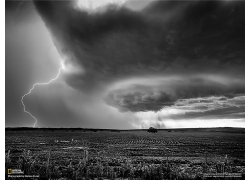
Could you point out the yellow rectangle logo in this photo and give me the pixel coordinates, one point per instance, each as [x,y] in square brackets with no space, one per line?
[9,171]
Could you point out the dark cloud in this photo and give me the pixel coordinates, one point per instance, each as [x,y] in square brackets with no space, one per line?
[175,91]
[19,11]
[165,38]
[119,43]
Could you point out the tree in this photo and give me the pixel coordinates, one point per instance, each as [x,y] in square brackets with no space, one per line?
[152,130]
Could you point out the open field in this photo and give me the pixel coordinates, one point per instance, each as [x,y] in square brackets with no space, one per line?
[168,154]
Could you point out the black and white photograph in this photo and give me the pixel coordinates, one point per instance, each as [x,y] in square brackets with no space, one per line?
[125,89]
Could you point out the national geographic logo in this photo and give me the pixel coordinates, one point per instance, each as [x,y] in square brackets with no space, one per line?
[15,171]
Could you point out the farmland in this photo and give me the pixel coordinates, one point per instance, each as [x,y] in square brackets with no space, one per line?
[85,154]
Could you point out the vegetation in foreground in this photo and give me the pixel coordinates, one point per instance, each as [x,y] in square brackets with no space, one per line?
[143,156]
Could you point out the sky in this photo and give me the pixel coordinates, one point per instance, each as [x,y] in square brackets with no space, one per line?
[125,64]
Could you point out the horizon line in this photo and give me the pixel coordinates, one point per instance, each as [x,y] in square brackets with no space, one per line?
[124,129]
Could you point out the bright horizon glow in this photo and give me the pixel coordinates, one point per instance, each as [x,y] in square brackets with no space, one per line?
[163,119]
[94,4]
[152,121]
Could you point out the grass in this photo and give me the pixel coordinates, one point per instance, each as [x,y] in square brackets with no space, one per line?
[121,155]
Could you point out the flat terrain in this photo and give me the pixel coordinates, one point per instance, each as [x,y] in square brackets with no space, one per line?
[197,151]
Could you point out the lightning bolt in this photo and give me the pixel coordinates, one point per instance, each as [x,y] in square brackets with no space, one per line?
[37,84]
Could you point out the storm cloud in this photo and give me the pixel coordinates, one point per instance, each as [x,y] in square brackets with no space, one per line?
[167,92]
[118,43]
[150,56]
[165,38]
